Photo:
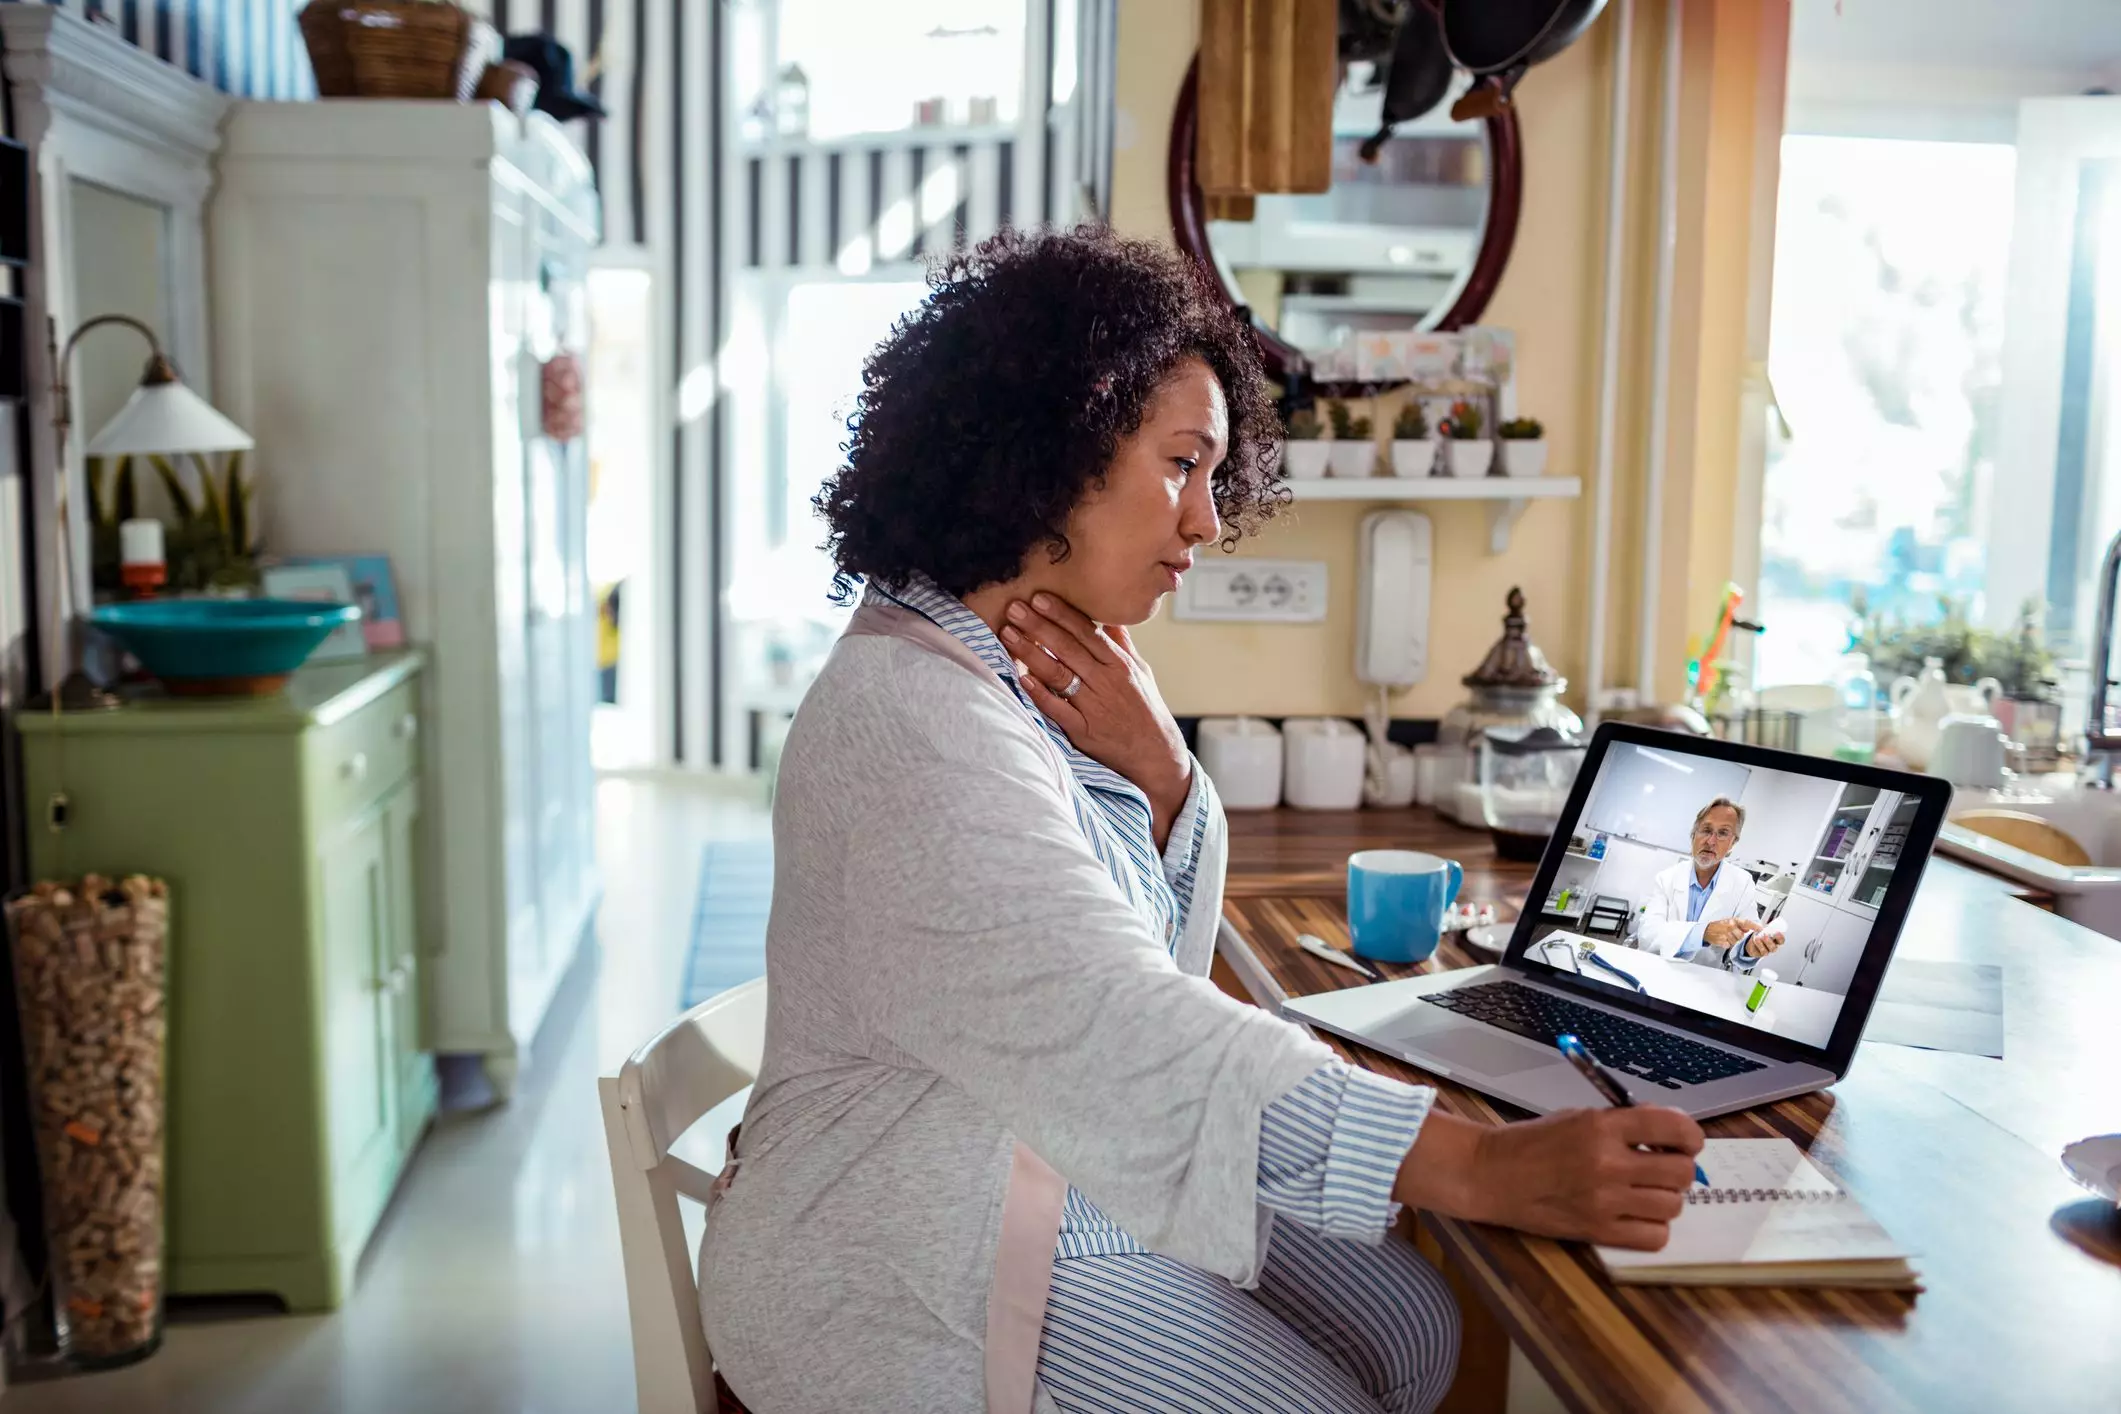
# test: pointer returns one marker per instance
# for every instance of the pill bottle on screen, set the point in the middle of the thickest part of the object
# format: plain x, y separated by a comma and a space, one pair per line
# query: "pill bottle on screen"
1763, 982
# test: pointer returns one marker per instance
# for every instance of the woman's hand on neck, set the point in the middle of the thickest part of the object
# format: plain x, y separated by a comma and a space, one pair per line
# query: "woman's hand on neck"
1091, 683
991, 601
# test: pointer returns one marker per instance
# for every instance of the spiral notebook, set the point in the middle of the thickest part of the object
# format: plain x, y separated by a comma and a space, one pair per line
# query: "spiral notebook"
1767, 1217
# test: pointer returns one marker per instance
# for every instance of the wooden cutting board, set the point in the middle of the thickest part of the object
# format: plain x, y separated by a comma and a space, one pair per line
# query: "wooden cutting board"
1268, 73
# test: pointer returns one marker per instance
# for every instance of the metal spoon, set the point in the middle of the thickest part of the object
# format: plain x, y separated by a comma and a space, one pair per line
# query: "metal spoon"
1318, 947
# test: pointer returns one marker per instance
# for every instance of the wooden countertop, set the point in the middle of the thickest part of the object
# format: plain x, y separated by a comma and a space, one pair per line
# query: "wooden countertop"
1957, 1155
1304, 853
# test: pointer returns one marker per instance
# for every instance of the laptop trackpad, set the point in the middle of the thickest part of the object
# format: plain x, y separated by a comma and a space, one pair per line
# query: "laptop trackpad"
1470, 1049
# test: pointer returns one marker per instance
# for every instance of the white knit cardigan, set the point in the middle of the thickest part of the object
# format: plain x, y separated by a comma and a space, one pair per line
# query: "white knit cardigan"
965, 1017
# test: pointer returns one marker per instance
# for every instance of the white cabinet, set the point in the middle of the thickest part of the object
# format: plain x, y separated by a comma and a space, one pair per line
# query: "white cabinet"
1822, 944
1842, 941
1870, 874
1860, 849
388, 280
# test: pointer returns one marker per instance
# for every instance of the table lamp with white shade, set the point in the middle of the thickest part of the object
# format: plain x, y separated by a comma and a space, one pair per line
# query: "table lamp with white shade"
161, 417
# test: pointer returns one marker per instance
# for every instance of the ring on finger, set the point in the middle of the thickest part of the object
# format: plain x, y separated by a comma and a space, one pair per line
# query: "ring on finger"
1075, 685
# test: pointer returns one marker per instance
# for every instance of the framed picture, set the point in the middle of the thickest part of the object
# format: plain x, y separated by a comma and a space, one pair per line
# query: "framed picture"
320, 584
375, 589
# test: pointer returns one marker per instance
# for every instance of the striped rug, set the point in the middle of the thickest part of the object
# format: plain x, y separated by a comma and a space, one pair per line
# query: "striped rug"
729, 918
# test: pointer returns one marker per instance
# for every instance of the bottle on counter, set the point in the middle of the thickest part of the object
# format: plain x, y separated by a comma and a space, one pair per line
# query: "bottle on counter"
1763, 983
1856, 721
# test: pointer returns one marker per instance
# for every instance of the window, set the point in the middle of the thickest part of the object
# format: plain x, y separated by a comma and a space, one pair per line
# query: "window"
782, 621
862, 140
831, 69
1885, 350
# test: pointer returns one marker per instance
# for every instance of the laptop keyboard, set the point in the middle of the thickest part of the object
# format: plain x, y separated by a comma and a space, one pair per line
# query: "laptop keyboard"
1621, 1044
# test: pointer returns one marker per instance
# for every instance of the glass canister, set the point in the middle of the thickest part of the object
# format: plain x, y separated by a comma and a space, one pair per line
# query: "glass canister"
1513, 686
90, 968
1525, 777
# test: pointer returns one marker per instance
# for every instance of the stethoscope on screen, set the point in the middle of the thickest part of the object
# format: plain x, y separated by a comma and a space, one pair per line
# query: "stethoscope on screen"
1586, 951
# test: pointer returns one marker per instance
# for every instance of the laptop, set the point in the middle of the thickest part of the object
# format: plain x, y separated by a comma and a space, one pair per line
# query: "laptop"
1681, 872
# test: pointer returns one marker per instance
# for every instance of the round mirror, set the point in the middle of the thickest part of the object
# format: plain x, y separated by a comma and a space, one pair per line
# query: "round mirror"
1415, 238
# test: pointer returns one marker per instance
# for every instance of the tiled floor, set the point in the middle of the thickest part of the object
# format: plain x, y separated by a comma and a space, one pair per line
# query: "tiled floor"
494, 1283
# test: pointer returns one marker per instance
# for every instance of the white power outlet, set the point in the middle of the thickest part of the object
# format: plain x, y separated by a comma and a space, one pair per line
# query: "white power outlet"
1254, 591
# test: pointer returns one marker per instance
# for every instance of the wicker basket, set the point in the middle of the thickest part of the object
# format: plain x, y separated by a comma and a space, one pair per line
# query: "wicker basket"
396, 48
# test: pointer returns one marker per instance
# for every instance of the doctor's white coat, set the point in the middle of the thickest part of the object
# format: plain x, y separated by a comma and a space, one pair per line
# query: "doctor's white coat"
1662, 926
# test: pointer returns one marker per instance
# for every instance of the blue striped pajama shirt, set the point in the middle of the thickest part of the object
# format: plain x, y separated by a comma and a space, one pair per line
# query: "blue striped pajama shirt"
1346, 1317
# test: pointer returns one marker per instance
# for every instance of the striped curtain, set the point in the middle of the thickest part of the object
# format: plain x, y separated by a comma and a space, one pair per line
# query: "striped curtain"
250, 48
253, 49
868, 201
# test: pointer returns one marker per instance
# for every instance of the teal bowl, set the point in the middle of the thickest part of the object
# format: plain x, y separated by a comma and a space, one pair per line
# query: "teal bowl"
222, 647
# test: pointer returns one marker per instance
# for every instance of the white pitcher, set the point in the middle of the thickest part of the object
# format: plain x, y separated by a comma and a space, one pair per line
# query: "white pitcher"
1977, 701
1919, 704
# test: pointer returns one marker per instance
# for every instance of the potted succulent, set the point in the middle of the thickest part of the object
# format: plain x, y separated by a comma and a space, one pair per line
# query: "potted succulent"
1413, 448
212, 542
1471, 453
1353, 453
1524, 447
1303, 455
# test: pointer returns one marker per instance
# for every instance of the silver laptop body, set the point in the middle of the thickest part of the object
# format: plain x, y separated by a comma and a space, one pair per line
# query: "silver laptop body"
1400, 1019
1392, 1017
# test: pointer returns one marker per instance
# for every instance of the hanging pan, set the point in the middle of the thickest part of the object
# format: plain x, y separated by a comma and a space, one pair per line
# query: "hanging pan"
1416, 77
1497, 40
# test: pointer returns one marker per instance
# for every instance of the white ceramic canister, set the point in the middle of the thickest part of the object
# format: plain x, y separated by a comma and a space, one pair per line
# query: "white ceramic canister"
1242, 756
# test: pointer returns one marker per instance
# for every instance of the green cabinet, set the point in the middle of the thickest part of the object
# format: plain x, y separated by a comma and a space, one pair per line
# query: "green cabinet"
288, 830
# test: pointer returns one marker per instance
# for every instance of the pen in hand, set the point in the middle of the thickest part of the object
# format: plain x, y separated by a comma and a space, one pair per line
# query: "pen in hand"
1603, 1081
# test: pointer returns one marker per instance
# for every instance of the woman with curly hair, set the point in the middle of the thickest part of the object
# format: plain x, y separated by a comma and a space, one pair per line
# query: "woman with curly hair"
1010, 1149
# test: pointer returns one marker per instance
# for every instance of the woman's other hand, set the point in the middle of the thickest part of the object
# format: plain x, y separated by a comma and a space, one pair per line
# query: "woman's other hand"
1116, 716
1576, 1174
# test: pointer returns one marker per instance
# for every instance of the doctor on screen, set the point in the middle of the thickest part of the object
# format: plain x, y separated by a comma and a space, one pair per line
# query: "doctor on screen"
1703, 908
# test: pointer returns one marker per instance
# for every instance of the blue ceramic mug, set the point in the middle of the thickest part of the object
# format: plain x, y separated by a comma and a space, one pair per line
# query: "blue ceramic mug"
1396, 902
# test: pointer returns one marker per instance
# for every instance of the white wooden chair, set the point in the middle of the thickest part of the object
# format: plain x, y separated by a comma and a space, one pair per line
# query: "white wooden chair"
694, 1064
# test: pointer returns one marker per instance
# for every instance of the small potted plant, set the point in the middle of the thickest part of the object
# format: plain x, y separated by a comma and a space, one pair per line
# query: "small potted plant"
1353, 453
1524, 447
1303, 455
1472, 454
1413, 448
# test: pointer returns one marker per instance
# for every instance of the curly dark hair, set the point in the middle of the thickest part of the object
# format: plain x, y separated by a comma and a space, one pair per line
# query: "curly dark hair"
996, 403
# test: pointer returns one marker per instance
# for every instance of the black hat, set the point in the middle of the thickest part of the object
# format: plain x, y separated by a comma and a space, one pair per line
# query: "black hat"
554, 66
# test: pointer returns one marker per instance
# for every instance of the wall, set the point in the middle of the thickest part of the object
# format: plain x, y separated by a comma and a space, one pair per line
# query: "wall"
1548, 294
1734, 56
118, 260
1628, 868
1653, 797
1733, 73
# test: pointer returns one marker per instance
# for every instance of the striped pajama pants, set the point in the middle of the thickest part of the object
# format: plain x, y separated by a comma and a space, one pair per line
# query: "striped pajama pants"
1334, 1327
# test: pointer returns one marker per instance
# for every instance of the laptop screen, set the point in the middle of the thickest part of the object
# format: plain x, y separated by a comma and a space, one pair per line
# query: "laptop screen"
1693, 875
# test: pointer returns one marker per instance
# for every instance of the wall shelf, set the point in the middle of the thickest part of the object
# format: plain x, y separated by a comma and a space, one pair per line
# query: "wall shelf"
1506, 496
